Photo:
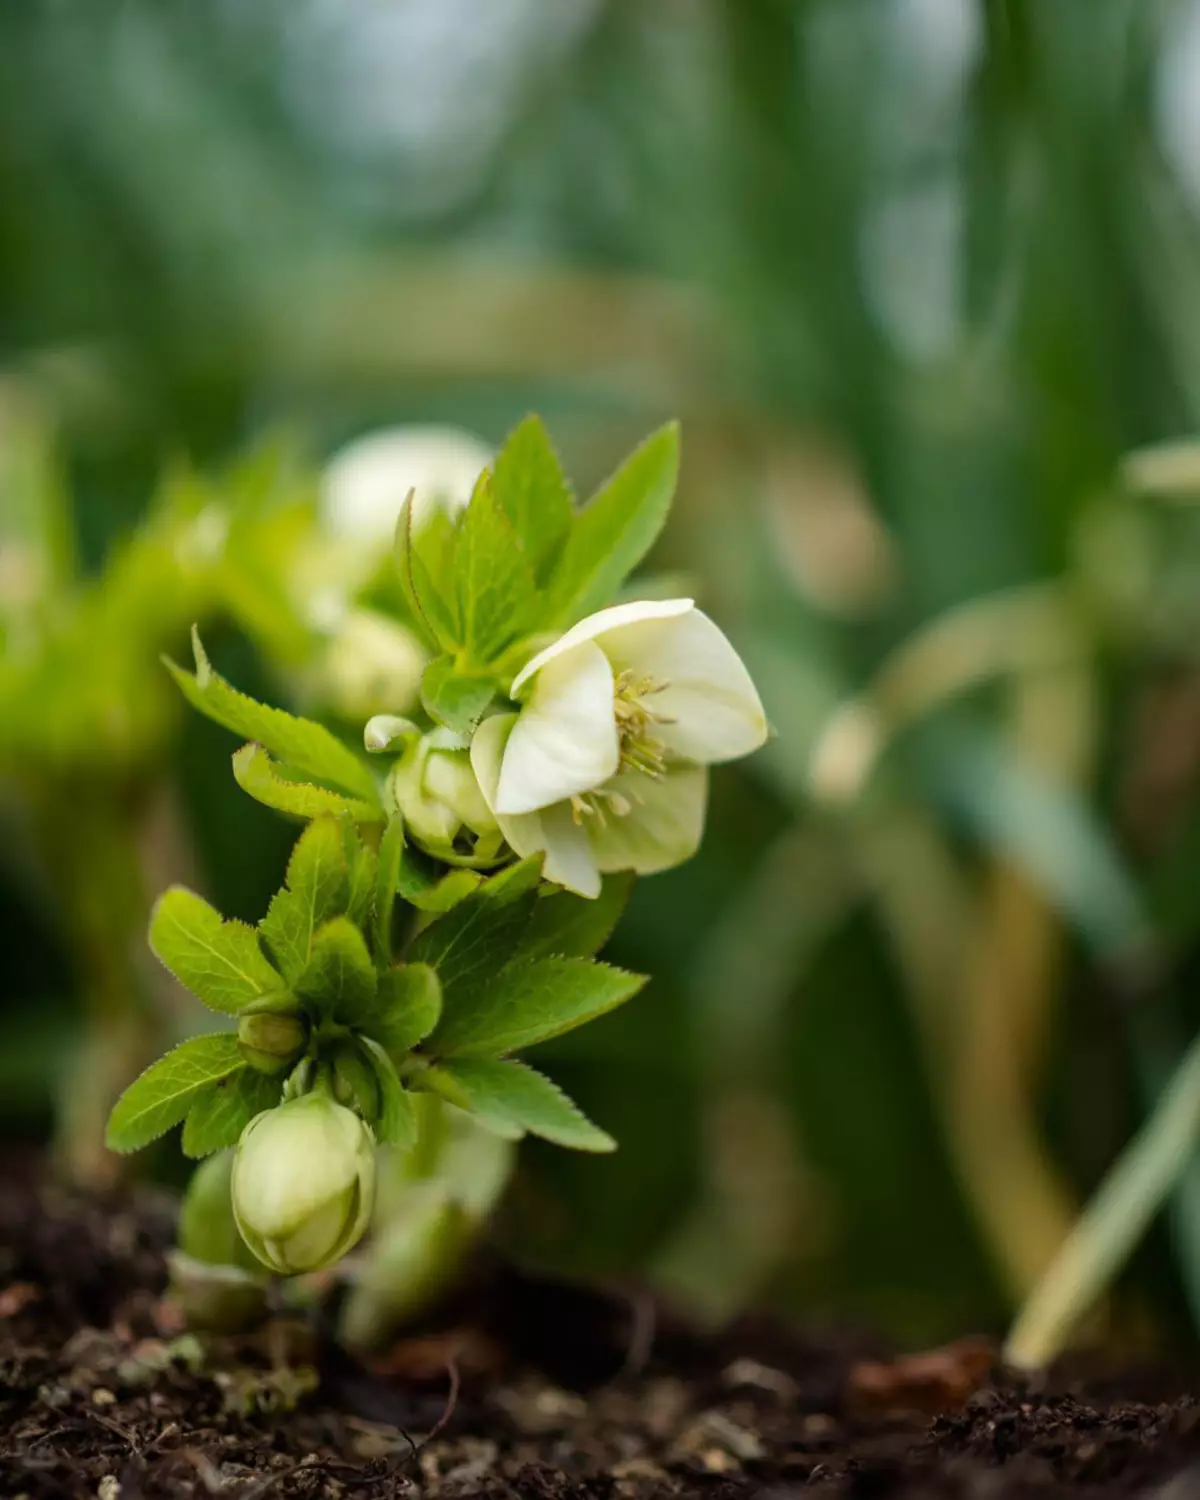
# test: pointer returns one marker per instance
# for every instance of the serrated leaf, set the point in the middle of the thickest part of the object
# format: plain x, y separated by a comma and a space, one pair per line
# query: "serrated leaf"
479, 935
387, 882
340, 978
615, 530
164, 1093
264, 780
530, 1002
219, 961
309, 748
363, 864
453, 698
425, 564
220, 1112
423, 884
397, 1123
497, 595
571, 926
317, 891
513, 1095
529, 486
407, 1008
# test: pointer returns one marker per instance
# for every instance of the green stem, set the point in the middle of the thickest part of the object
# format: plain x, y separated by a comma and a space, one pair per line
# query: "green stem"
1132, 1193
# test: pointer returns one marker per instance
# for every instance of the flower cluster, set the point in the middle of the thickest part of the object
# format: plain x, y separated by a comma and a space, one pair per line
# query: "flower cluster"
556, 744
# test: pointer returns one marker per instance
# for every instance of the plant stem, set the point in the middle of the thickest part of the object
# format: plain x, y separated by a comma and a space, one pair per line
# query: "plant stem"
1113, 1221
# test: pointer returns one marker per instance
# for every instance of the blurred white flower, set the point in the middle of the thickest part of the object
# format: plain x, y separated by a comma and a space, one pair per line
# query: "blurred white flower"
603, 768
304, 1184
365, 483
371, 663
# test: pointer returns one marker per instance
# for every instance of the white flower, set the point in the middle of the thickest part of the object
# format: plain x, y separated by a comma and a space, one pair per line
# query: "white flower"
304, 1184
366, 482
371, 663
603, 768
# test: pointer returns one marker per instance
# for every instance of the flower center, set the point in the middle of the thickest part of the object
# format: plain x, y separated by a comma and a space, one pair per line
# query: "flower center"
641, 749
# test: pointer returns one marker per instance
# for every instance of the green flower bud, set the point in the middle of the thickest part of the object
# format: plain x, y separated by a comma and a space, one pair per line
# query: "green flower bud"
270, 1041
436, 790
304, 1183
215, 1279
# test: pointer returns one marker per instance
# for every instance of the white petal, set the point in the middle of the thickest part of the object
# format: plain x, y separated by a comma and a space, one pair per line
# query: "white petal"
599, 624
565, 739
364, 483
663, 827
569, 858
710, 707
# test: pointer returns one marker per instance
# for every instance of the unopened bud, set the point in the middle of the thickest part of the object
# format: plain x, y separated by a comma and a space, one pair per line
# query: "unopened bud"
436, 790
271, 1041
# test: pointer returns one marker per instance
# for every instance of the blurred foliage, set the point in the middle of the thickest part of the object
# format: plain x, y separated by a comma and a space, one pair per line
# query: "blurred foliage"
916, 274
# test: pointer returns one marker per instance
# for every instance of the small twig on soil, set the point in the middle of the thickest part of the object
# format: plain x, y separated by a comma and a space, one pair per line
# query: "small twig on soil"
641, 1334
264, 1486
447, 1412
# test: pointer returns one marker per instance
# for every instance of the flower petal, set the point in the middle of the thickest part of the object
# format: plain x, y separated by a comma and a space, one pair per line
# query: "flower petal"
663, 827
710, 709
565, 739
599, 624
569, 858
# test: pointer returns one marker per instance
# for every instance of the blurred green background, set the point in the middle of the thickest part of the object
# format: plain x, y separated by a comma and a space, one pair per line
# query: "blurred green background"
916, 275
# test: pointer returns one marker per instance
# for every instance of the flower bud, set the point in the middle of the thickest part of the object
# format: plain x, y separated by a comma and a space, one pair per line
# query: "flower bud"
372, 665
271, 1036
304, 1183
214, 1278
436, 789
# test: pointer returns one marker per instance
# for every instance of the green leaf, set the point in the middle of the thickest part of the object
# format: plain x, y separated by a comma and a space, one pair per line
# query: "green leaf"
340, 977
570, 926
529, 486
455, 699
423, 885
317, 891
164, 1093
257, 774
397, 1123
221, 962
497, 595
387, 881
425, 564
363, 864
409, 1006
307, 747
531, 1002
616, 529
220, 1112
479, 935
512, 1095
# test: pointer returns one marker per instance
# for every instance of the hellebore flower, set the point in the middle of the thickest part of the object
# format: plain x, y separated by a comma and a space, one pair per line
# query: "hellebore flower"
603, 768
371, 663
434, 786
304, 1183
365, 483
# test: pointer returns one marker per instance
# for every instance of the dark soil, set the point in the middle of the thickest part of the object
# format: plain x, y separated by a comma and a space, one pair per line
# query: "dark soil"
565, 1394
